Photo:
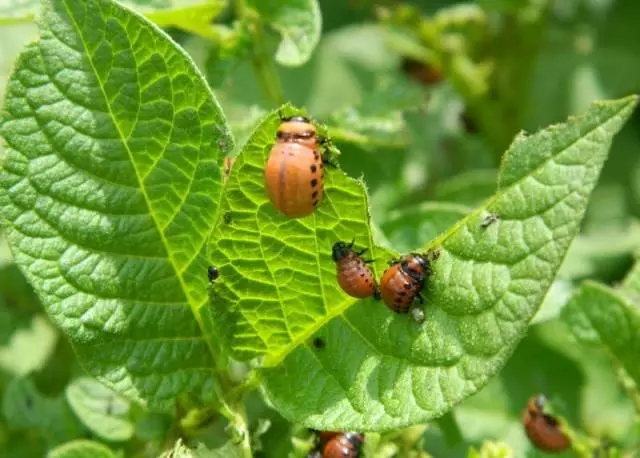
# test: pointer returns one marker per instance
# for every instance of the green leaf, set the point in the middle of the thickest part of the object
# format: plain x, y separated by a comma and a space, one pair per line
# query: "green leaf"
109, 189
228, 450
299, 22
600, 316
30, 348
25, 408
468, 188
416, 225
191, 15
258, 312
380, 370
100, 409
82, 449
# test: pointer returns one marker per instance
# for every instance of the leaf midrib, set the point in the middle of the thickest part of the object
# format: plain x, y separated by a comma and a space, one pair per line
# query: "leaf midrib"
165, 243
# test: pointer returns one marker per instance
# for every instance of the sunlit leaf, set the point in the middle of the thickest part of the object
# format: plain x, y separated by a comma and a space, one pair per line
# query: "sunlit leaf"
299, 22
100, 409
82, 449
378, 370
109, 188
192, 15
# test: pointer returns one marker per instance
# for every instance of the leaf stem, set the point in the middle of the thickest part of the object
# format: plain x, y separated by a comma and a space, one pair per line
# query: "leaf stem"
261, 60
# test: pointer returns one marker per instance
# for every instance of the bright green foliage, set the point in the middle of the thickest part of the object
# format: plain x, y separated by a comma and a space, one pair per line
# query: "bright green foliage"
100, 409
416, 225
229, 450
82, 449
299, 22
492, 450
470, 188
25, 408
601, 316
382, 371
277, 279
192, 15
109, 189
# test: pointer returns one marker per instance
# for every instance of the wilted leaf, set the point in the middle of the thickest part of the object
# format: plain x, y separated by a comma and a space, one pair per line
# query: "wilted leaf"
100, 409
109, 188
598, 315
82, 449
378, 370
299, 22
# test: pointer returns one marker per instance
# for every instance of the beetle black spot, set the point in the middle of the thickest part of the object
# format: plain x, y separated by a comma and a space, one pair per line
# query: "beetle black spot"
362, 274
314, 195
314, 183
313, 168
402, 293
321, 165
408, 286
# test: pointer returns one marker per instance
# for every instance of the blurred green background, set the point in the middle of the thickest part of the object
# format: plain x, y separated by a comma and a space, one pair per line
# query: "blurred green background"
423, 102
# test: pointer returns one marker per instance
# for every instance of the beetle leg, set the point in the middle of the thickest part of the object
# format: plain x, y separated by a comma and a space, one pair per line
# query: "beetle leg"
360, 253
420, 298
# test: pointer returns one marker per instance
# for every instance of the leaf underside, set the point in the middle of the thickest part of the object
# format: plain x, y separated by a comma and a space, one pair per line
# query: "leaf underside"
110, 186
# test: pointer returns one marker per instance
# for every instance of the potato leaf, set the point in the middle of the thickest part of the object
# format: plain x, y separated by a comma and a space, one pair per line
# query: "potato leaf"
299, 23
379, 370
601, 316
109, 189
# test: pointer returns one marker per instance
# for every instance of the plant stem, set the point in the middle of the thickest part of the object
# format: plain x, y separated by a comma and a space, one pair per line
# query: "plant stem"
262, 61
266, 71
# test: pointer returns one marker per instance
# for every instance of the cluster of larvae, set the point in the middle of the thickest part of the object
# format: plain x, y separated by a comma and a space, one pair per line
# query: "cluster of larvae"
294, 179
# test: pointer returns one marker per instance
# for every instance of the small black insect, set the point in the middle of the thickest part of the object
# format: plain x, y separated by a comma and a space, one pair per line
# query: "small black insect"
213, 273
319, 343
227, 218
488, 220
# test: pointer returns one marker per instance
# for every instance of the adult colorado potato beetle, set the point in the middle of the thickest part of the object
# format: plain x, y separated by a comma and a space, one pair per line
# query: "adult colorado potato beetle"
352, 272
294, 173
542, 429
403, 281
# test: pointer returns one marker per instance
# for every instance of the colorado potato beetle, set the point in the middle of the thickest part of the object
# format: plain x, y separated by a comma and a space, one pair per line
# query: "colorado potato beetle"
403, 282
294, 173
542, 429
354, 276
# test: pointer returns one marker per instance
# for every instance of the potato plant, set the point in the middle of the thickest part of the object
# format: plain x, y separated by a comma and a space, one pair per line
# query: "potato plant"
498, 138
